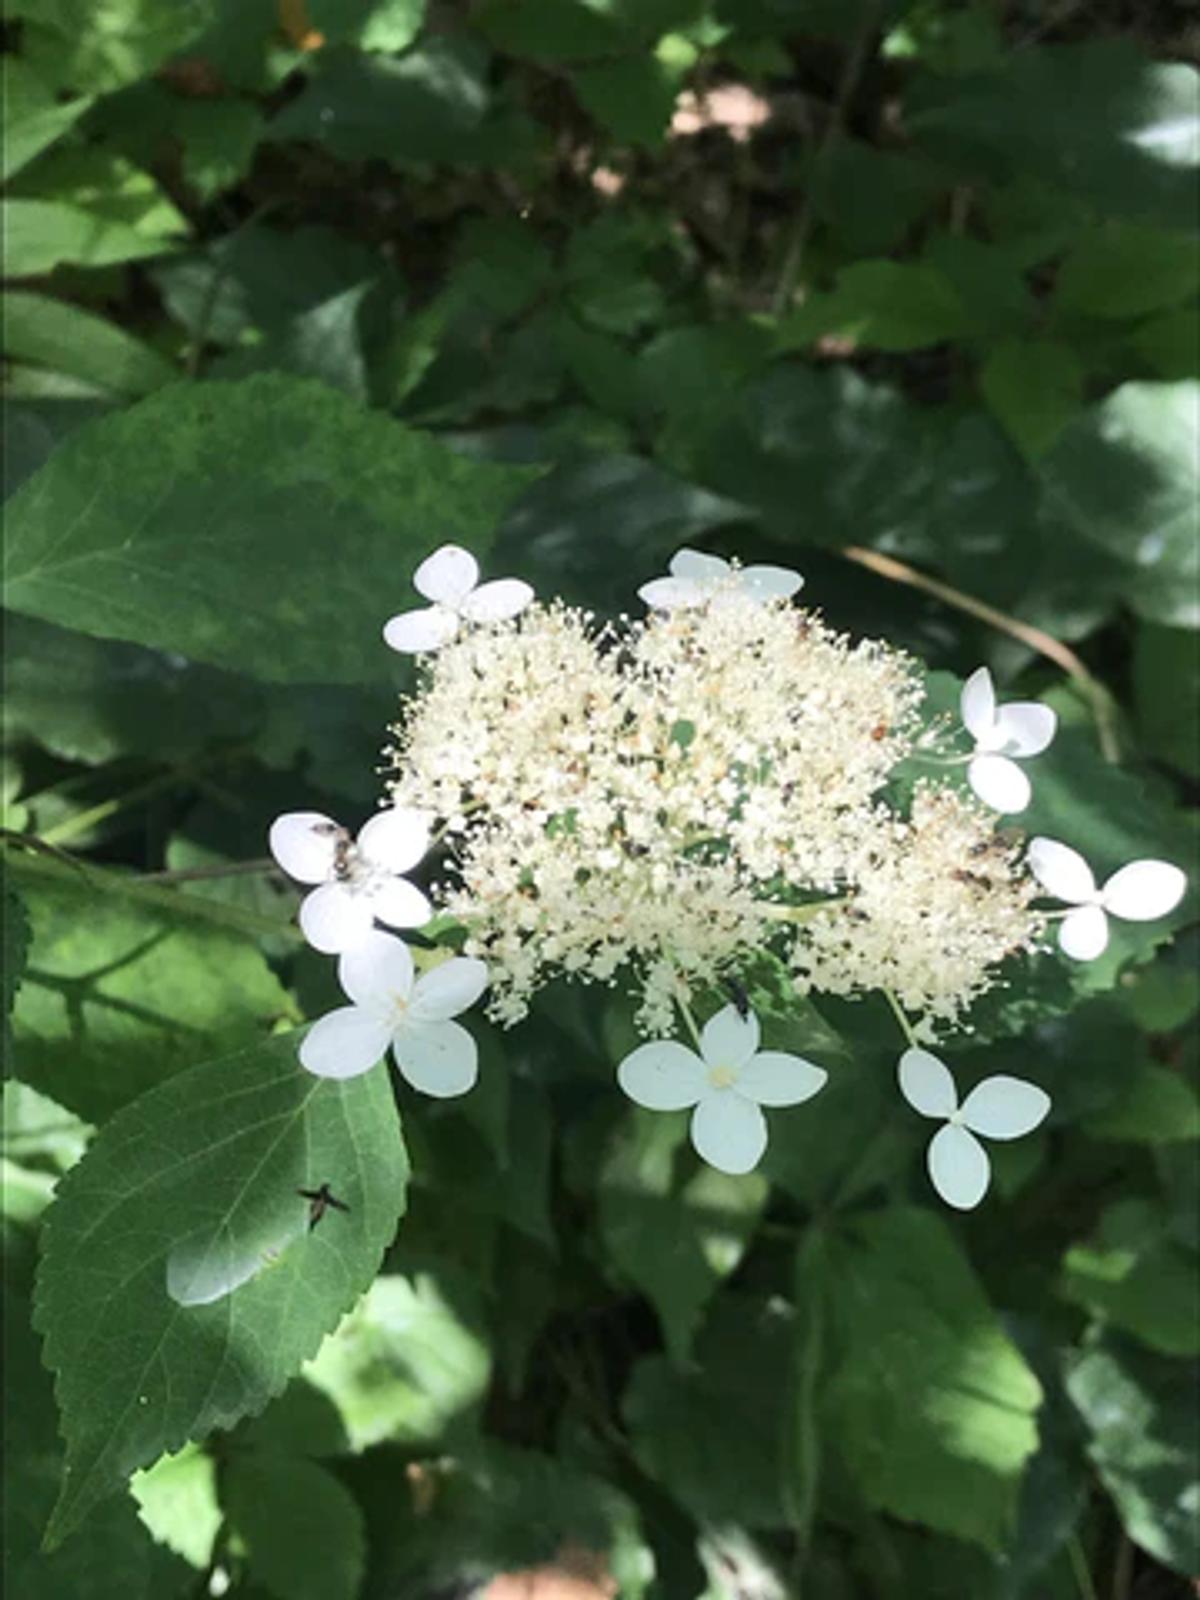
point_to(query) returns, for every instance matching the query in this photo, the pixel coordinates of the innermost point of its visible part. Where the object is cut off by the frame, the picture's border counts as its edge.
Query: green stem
(689, 1019)
(905, 1025)
(804, 1466)
(1080, 1570)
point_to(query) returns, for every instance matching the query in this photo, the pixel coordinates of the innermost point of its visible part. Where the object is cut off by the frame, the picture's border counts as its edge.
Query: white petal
(378, 972)
(448, 989)
(728, 1132)
(1060, 870)
(667, 594)
(493, 602)
(977, 704)
(447, 576)
(663, 1076)
(1083, 933)
(1004, 1107)
(999, 783)
(926, 1083)
(344, 1043)
(1027, 727)
(438, 1058)
(396, 838)
(1144, 890)
(332, 919)
(729, 1039)
(398, 903)
(774, 1078)
(697, 566)
(769, 583)
(412, 632)
(303, 844)
(959, 1168)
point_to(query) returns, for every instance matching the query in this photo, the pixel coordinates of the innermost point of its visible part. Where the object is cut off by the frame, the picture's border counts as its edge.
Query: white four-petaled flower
(1139, 892)
(359, 879)
(1003, 735)
(391, 1006)
(697, 578)
(726, 1084)
(450, 579)
(998, 1108)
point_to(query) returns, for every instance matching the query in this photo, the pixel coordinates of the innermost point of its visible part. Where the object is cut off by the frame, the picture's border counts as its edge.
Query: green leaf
(1159, 1107)
(1166, 692)
(1139, 1409)
(549, 30)
(1098, 121)
(425, 106)
(68, 339)
(244, 524)
(1170, 344)
(893, 305)
(40, 235)
(33, 119)
(177, 1502)
(1126, 474)
(1034, 387)
(1123, 270)
(14, 951)
(102, 44)
(712, 1437)
(1135, 1275)
(128, 987)
(870, 197)
(385, 25)
(111, 1556)
(182, 1232)
(325, 343)
(931, 1406)
(409, 1363)
(632, 97)
(675, 1242)
(302, 1530)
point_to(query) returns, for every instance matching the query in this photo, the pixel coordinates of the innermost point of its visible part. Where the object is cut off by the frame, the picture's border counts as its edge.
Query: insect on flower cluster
(655, 805)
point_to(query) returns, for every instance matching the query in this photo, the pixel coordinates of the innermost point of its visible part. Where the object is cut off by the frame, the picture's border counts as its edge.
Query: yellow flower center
(722, 1077)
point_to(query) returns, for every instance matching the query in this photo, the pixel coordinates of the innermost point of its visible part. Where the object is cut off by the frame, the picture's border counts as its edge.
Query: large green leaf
(111, 1556)
(129, 986)
(931, 1405)
(1140, 1412)
(270, 526)
(676, 1242)
(1126, 476)
(183, 1234)
(33, 119)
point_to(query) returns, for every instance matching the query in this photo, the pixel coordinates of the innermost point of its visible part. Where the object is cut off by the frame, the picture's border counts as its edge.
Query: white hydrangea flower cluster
(654, 803)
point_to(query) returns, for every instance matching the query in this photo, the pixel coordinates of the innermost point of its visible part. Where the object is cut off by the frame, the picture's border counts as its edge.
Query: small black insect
(319, 1202)
(738, 995)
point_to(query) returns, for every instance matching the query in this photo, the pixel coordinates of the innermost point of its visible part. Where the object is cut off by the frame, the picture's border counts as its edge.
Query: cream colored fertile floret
(668, 797)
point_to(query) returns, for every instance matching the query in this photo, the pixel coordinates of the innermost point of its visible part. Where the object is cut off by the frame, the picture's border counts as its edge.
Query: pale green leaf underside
(212, 1159)
(267, 525)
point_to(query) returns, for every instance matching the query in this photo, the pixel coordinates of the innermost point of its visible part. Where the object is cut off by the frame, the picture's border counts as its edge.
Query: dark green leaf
(676, 1242)
(302, 1530)
(102, 44)
(1136, 1276)
(1122, 270)
(250, 525)
(1166, 688)
(632, 97)
(183, 1233)
(33, 119)
(1034, 387)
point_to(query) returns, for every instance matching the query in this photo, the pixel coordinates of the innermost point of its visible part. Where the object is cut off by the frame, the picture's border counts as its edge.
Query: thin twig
(219, 869)
(1080, 1570)
(1103, 706)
